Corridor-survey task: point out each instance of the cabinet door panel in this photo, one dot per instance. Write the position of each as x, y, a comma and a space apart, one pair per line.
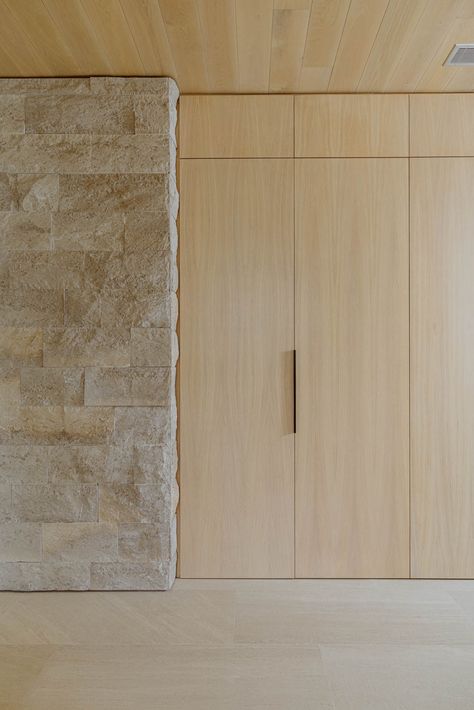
236, 342
352, 475
442, 360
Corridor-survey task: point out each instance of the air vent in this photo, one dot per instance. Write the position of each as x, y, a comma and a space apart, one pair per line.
461, 55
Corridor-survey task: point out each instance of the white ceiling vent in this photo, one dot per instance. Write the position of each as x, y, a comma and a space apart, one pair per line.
461, 55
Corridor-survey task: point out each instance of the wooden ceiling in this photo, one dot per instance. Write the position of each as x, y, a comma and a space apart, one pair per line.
232, 46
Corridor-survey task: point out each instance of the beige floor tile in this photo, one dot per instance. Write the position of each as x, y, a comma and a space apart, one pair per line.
401, 678
350, 612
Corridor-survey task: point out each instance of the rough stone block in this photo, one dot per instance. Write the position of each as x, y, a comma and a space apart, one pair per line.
138, 542
35, 192
7, 196
46, 270
12, 113
80, 464
93, 542
120, 84
79, 114
51, 153
82, 307
124, 503
30, 306
120, 386
139, 306
25, 231
20, 542
142, 426
55, 503
87, 231
23, 464
55, 425
147, 235
10, 401
138, 464
130, 154
6, 514
86, 346
49, 386
45, 86
128, 193
44, 576
21, 346
113, 271
130, 576
151, 347
152, 114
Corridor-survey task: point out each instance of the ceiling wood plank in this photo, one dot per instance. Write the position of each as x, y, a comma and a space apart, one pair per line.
219, 29
254, 42
110, 25
246, 46
326, 25
146, 25
363, 22
16, 44
288, 35
85, 46
44, 38
183, 27
423, 42
398, 26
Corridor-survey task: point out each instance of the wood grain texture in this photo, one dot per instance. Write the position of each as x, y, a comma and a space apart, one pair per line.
236, 126
442, 339
351, 126
352, 345
237, 334
221, 46
441, 125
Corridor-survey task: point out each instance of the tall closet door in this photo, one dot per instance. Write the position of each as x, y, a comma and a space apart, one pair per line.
442, 359
236, 365
352, 329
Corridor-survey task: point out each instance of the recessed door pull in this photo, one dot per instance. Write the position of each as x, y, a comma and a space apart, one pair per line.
294, 391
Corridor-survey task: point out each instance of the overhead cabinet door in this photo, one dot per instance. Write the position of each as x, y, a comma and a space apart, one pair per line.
352, 328
236, 364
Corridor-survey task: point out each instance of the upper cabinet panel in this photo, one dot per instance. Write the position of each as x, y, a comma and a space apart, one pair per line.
350, 126
236, 127
441, 125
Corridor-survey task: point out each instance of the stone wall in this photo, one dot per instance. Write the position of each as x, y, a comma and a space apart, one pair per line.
88, 346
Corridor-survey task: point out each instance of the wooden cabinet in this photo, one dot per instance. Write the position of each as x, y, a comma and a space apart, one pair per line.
236, 368
352, 478
305, 224
442, 367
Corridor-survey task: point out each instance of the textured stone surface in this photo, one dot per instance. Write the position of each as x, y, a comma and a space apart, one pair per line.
127, 503
151, 347
54, 153
12, 114
130, 575
44, 576
23, 464
79, 114
24, 231
143, 543
88, 348
87, 231
20, 542
55, 503
94, 542
49, 386
21, 346
133, 387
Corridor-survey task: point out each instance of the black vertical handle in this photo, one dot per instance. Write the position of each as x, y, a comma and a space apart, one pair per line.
294, 391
